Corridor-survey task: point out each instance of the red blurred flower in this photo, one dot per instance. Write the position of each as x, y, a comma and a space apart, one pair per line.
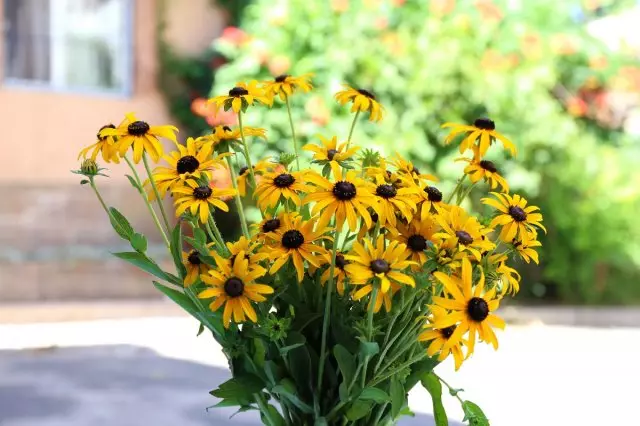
234, 35
577, 106
228, 118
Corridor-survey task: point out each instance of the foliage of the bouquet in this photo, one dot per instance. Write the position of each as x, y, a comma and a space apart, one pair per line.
361, 276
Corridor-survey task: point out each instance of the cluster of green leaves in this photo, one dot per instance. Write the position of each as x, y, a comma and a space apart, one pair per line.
431, 62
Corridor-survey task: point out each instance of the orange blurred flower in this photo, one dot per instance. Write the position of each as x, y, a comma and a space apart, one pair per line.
576, 106
235, 36
441, 7
532, 45
279, 65
492, 60
628, 79
564, 44
599, 62
318, 110
381, 23
339, 5
488, 10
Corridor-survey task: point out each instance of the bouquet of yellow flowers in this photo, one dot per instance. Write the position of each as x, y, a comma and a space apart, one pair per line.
361, 276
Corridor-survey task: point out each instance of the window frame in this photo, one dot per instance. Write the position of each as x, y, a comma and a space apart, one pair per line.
126, 91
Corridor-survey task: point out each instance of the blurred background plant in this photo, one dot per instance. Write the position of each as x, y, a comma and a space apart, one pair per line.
557, 91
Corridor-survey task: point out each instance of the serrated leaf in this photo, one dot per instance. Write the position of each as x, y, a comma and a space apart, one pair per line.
474, 414
139, 242
346, 363
133, 183
287, 389
398, 397
374, 394
242, 410
359, 409
120, 224
146, 264
433, 385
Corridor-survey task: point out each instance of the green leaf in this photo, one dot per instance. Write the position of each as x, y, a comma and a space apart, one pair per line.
146, 264
346, 363
133, 183
368, 349
274, 415
287, 389
178, 297
374, 394
242, 410
418, 370
285, 349
321, 421
120, 224
433, 385
139, 242
359, 409
84, 182
241, 388
200, 329
200, 236
176, 250
398, 397
474, 414
271, 371
259, 353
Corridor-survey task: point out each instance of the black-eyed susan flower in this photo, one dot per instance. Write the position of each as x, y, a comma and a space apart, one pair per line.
221, 134
260, 168
199, 197
276, 186
105, 145
517, 220
346, 198
418, 236
233, 285
471, 235
525, 250
194, 265
446, 254
440, 339
142, 136
507, 277
270, 223
408, 171
284, 85
339, 273
189, 161
297, 240
241, 97
430, 200
392, 200
363, 100
249, 250
487, 170
369, 263
470, 308
330, 151
481, 134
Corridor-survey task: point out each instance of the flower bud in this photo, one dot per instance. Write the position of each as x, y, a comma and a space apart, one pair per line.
89, 167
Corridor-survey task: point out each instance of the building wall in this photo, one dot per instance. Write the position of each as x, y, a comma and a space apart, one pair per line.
54, 237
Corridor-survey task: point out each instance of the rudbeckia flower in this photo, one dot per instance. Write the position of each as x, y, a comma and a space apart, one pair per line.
105, 145
481, 134
363, 100
440, 339
275, 186
284, 85
261, 167
194, 265
487, 170
471, 235
418, 235
198, 198
330, 150
517, 220
223, 133
241, 96
339, 273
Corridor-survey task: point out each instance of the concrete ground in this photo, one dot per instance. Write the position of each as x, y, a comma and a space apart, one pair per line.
155, 371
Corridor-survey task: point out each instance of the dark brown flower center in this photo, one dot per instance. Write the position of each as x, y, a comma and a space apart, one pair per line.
478, 309
108, 126
417, 242
484, 123
271, 225
226, 128
415, 170
464, 238
488, 166
202, 192
138, 128
386, 191
433, 194
374, 217
284, 180
281, 78
367, 93
236, 92
379, 266
187, 164
194, 258
447, 332
344, 190
331, 153
243, 170
234, 287
292, 239
517, 214
341, 262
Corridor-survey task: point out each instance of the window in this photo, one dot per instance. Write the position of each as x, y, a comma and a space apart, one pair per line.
68, 44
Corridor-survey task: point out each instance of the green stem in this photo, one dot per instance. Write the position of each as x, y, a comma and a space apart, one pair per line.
379, 414
211, 225
239, 207
388, 333
456, 189
146, 201
155, 191
372, 306
95, 189
464, 194
353, 126
327, 311
413, 360
293, 131
246, 149
264, 409
455, 391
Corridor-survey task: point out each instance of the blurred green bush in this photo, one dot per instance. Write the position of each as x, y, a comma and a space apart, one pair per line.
530, 66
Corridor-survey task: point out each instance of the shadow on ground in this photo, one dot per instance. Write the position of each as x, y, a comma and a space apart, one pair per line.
115, 385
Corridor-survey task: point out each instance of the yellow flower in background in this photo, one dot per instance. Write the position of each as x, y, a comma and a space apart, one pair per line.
346, 198
517, 220
471, 235
225, 133
105, 145
406, 169
339, 273
248, 249
392, 201
261, 167
241, 97
189, 161
330, 150
233, 286
285, 185
416, 236
470, 308
140, 135
284, 85
198, 198
385, 264
441, 338
509, 278
447, 253
363, 100
295, 239
487, 170
481, 134
525, 249
194, 265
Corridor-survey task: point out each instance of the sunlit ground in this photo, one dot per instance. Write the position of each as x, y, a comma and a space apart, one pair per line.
540, 376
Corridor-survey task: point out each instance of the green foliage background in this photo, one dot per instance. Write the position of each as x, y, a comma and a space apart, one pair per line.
435, 61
